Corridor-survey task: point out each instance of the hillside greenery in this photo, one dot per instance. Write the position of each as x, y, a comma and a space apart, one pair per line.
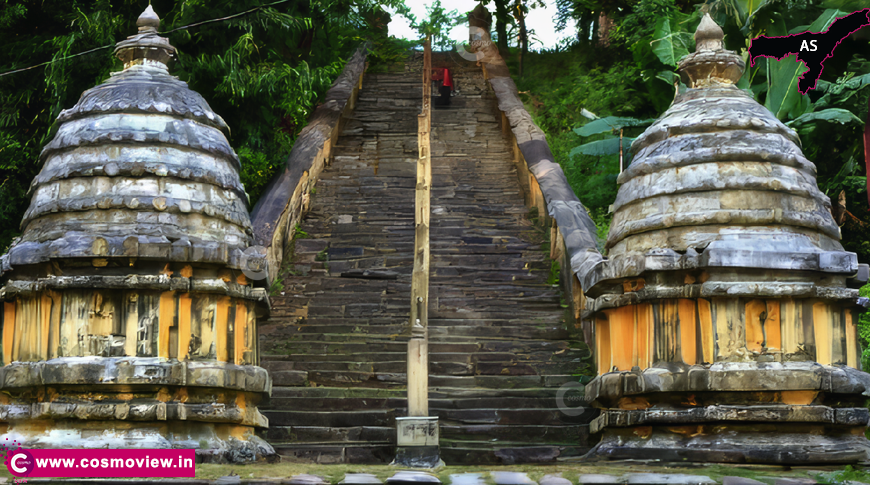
264, 71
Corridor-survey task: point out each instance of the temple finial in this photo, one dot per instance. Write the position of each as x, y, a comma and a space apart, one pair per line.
709, 36
146, 45
710, 65
148, 20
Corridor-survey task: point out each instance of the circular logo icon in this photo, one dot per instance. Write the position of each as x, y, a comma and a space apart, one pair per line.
21, 463
253, 263
571, 399
480, 42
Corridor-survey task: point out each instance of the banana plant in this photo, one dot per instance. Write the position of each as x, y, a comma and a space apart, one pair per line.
612, 144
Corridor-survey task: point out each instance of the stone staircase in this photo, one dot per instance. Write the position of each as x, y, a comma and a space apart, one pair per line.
501, 343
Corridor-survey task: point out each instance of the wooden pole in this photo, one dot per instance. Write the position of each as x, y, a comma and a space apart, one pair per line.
620, 150
418, 345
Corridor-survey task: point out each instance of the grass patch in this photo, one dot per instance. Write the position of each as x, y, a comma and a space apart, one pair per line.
571, 471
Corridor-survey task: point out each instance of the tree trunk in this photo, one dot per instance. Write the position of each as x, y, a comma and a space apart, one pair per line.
524, 37
501, 16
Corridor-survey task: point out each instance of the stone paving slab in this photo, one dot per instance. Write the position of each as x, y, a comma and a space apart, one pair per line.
511, 478
740, 481
668, 479
554, 479
794, 481
306, 479
599, 479
412, 477
467, 479
360, 479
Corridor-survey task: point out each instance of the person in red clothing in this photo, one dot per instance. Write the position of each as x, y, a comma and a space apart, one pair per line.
442, 74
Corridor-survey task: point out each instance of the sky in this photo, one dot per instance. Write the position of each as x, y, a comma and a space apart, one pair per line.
540, 20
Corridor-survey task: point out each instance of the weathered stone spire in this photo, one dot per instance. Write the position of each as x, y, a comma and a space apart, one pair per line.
710, 64
147, 44
709, 36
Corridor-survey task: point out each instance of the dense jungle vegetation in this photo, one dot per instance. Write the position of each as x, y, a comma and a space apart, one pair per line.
623, 65
265, 71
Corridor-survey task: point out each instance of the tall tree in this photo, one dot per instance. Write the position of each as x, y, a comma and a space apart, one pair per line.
520, 10
263, 72
502, 19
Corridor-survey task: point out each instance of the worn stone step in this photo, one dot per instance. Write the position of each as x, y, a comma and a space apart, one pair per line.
451, 435
333, 418
435, 367
483, 453
324, 434
352, 403
438, 347
569, 355
386, 417
567, 434
326, 454
311, 331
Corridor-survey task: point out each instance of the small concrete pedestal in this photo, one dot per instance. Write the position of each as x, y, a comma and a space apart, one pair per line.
417, 442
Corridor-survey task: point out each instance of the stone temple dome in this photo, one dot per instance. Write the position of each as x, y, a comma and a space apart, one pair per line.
129, 313
139, 167
725, 317
718, 179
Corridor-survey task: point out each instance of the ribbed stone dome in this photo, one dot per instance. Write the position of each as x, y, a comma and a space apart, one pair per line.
139, 167
717, 180
718, 162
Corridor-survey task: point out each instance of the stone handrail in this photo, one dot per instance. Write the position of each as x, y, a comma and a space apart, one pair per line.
573, 233
286, 198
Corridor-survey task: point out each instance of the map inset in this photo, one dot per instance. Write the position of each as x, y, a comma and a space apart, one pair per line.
811, 48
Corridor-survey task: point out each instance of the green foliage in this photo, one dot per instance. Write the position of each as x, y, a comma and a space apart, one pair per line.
555, 270
634, 78
831, 115
783, 98
389, 53
437, 25
299, 233
277, 287
671, 44
847, 474
263, 72
601, 217
610, 124
864, 331
609, 145
533, 215
606, 146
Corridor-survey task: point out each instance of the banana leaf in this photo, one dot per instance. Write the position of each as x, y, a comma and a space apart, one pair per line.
610, 124
600, 148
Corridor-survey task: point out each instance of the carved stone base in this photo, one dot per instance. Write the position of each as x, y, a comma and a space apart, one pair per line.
214, 443
136, 402
733, 412
773, 444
